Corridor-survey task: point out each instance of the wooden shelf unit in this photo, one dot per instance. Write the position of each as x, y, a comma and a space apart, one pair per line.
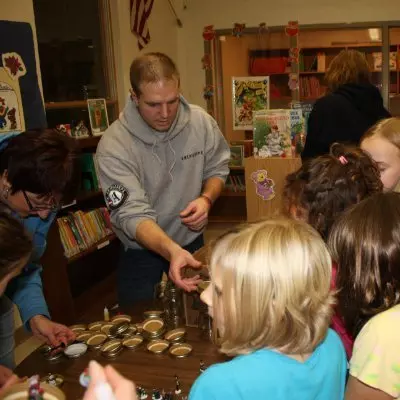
59, 105
70, 283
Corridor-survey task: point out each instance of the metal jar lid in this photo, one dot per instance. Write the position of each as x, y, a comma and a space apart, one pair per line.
202, 286
50, 353
153, 314
112, 348
75, 350
180, 350
83, 336
129, 332
176, 335
95, 326
121, 318
56, 380
78, 328
96, 340
119, 329
158, 346
153, 326
106, 328
133, 342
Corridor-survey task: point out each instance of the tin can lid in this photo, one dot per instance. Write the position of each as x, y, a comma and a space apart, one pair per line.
111, 346
153, 313
95, 326
180, 350
84, 336
121, 318
158, 346
53, 379
75, 350
175, 335
133, 341
119, 329
78, 328
50, 353
153, 325
96, 339
129, 332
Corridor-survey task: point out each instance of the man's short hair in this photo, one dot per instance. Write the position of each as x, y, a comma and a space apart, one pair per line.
151, 68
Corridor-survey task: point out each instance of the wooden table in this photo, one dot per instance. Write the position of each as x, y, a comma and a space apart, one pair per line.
145, 369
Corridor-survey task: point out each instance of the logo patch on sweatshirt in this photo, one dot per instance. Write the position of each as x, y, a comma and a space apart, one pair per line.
116, 196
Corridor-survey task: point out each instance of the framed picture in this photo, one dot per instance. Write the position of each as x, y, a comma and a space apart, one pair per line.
237, 155
249, 94
98, 115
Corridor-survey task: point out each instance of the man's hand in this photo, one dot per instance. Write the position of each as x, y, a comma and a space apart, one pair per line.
195, 215
179, 259
52, 333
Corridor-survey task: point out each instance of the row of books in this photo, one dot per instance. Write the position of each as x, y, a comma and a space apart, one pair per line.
310, 86
89, 168
235, 183
80, 230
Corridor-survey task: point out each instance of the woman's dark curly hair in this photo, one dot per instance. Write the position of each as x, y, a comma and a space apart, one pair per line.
324, 187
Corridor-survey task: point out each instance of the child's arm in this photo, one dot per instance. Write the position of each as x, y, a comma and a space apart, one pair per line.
356, 390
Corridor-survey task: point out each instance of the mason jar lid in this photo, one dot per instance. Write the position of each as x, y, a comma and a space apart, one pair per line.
119, 329
180, 350
175, 335
153, 326
158, 346
75, 350
95, 326
133, 342
121, 318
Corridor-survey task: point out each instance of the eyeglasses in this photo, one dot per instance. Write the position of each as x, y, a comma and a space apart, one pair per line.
52, 207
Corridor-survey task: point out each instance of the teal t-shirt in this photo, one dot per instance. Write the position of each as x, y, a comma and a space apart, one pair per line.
266, 374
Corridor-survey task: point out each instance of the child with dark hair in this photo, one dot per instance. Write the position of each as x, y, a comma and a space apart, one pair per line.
323, 188
38, 170
15, 251
365, 244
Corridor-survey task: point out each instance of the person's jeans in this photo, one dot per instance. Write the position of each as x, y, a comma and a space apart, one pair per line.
139, 271
6, 333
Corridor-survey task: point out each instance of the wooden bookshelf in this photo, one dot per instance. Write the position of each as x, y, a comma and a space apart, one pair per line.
60, 105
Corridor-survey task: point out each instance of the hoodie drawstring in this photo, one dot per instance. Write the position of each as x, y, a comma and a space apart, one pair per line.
159, 159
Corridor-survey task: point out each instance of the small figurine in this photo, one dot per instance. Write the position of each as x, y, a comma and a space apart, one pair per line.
208, 92
156, 395
202, 366
208, 32
178, 389
84, 378
141, 393
238, 29
206, 61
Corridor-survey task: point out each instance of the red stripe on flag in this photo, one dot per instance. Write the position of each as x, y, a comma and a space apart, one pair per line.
140, 13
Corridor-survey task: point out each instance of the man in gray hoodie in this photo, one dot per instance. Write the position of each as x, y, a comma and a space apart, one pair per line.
162, 164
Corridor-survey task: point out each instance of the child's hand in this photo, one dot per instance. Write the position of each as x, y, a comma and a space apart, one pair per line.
12, 380
123, 389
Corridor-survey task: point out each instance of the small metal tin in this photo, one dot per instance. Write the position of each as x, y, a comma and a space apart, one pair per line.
75, 350
129, 332
176, 335
112, 348
118, 329
56, 380
96, 341
95, 326
133, 342
180, 350
153, 326
78, 328
158, 346
83, 336
121, 318
153, 314
106, 328
51, 354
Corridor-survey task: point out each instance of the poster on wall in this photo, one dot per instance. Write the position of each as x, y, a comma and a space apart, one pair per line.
249, 94
98, 115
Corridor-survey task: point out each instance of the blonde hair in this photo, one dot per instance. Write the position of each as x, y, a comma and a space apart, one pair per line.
276, 293
349, 66
388, 129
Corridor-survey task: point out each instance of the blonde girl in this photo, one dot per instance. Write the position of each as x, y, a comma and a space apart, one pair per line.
271, 304
382, 143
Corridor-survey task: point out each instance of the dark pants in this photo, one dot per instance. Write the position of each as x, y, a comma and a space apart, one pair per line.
139, 271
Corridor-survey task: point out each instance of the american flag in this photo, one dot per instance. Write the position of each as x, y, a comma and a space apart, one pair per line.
140, 13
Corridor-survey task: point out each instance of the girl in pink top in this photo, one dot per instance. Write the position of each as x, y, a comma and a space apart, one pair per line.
322, 189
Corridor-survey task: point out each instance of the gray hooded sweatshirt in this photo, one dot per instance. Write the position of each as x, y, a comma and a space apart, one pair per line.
145, 174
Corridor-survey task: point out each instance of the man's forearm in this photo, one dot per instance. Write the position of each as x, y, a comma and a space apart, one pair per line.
152, 237
212, 188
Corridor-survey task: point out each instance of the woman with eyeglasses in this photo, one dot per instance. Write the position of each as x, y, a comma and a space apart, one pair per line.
38, 170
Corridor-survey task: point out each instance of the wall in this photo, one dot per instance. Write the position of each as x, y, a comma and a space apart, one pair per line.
22, 11
163, 31
223, 13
